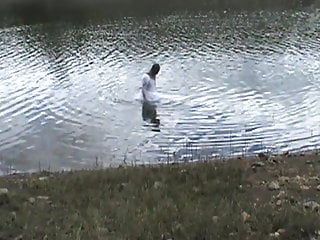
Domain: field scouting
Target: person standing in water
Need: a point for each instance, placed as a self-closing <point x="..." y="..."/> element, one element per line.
<point x="149" y="90"/>
<point x="150" y="96"/>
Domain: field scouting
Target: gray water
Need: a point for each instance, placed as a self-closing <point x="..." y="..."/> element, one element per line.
<point x="232" y="83"/>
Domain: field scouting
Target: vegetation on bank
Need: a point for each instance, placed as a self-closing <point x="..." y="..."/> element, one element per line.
<point x="265" y="197"/>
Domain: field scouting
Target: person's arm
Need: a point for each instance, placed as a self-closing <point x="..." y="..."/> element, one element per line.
<point x="145" y="85"/>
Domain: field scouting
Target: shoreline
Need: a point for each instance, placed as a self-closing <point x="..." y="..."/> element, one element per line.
<point x="98" y="165"/>
<point x="262" y="197"/>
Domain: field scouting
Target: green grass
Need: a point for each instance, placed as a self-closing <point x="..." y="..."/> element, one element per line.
<point x="187" y="201"/>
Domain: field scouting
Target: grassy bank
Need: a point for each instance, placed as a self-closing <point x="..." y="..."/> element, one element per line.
<point x="252" y="198"/>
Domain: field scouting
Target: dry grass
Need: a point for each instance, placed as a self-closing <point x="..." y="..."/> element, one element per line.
<point x="211" y="200"/>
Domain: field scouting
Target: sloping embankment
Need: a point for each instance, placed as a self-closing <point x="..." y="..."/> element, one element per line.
<point x="251" y="198"/>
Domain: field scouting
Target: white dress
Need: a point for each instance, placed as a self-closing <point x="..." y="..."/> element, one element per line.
<point x="149" y="90"/>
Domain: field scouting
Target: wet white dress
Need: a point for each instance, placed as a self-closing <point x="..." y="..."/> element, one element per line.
<point x="149" y="90"/>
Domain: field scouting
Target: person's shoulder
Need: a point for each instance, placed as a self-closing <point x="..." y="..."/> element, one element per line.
<point x="145" y="76"/>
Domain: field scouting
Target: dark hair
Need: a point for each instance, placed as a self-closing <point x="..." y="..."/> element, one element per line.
<point x="155" y="69"/>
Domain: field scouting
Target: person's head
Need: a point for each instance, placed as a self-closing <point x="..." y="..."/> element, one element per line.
<point x="155" y="69"/>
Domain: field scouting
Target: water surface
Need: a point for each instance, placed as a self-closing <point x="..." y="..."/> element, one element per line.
<point x="237" y="82"/>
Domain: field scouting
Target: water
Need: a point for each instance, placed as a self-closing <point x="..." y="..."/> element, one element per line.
<point x="231" y="83"/>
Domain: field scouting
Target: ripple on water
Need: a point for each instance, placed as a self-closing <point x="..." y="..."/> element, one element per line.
<point x="232" y="83"/>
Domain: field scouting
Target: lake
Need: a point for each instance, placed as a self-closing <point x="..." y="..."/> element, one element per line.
<point x="232" y="82"/>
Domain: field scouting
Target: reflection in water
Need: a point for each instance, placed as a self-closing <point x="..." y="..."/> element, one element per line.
<point x="149" y="114"/>
<point x="35" y="11"/>
<point x="232" y="83"/>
